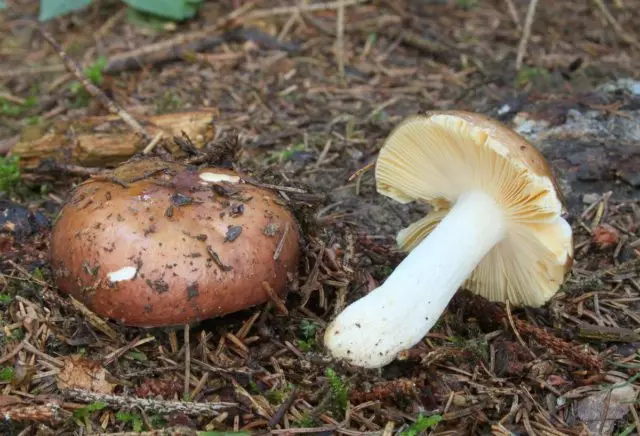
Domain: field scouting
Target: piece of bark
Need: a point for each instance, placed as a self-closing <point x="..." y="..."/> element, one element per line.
<point x="13" y="408"/>
<point x="106" y="140"/>
<point x="599" y="333"/>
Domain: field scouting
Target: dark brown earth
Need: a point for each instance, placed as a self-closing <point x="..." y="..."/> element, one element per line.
<point x="311" y="109"/>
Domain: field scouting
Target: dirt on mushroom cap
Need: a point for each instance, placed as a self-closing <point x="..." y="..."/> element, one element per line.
<point x="173" y="247"/>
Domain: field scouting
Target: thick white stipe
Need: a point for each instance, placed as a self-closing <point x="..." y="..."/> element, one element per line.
<point x="399" y="313"/>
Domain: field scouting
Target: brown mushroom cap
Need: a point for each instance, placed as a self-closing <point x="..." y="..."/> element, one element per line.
<point x="176" y="247"/>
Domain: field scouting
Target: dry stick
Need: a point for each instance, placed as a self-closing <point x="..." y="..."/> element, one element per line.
<point x="178" y="40"/>
<point x="16" y="349"/>
<point x="31" y="71"/>
<point x="149" y="405"/>
<point x="361" y="171"/>
<point x="616" y="26"/>
<point x="187" y="361"/>
<point x="283" y="409"/>
<point x="156" y="139"/>
<point x="278" y="250"/>
<point x="340" y="39"/>
<point x="514" y="14"/>
<point x="286" y="10"/>
<point x="522" y="48"/>
<point x="515" y="330"/>
<point x="74" y="68"/>
<point x="275" y="298"/>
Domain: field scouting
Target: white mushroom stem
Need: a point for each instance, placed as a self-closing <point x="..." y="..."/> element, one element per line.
<point x="398" y="314"/>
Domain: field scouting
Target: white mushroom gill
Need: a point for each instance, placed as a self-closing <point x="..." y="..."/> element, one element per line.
<point x="126" y="273"/>
<point x="396" y="315"/>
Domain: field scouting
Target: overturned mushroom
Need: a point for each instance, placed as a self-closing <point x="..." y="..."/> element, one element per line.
<point x="496" y="228"/>
<point x="163" y="244"/>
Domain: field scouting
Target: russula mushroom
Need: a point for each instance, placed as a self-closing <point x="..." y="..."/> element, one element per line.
<point x="496" y="228"/>
<point x="164" y="244"/>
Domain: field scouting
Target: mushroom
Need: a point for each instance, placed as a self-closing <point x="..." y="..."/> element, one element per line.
<point x="496" y="228"/>
<point x="164" y="244"/>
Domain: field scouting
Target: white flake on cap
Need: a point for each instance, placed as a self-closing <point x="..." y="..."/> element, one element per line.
<point x="123" y="274"/>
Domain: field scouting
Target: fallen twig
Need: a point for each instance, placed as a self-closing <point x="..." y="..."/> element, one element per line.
<point x="526" y="33"/>
<point x="94" y="90"/>
<point x="283" y="409"/>
<point x="202" y="38"/>
<point x="287" y="10"/>
<point x="149" y="405"/>
<point x="616" y="26"/>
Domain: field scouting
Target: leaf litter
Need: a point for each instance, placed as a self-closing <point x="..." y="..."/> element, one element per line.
<point x="312" y="100"/>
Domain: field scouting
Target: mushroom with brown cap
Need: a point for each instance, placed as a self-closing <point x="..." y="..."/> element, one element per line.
<point x="165" y="244"/>
<point x="496" y="227"/>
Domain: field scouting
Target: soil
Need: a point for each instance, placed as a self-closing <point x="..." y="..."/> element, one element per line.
<point x="311" y="107"/>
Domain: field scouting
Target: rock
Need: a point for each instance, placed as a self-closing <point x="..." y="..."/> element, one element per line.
<point x="20" y="221"/>
<point x="590" y="198"/>
<point x="591" y="141"/>
<point x="591" y="410"/>
<point x="630" y="85"/>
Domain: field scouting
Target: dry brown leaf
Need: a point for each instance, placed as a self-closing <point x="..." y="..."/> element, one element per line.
<point x="82" y="373"/>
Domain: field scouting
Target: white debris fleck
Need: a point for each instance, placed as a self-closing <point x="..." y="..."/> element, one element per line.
<point x="126" y="273"/>
<point x="505" y="108"/>
<point x="218" y="177"/>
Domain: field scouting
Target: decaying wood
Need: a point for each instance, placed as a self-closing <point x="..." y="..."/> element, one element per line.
<point x="107" y="140"/>
<point x="13" y="408"/>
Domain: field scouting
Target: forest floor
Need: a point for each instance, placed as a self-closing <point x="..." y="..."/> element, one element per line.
<point x="313" y="91"/>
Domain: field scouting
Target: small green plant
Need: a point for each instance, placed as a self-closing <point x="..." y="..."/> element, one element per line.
<point x="11" y="109"/>
<point x="6" y="373"/>
<point x="169" y="102"/>
<point x="628" y="430"/>
<point x="157" y="421"/>
<point x="529" y="74"/>
<point x="83" y="414"/>
<point x="253" y="387"/>
<point x="5" y="299"/>
<point x="286" y="154"/>
<point x="308" y="333"/>
<point x="306" y="345"/>
<point x="138" y="355"/>
<point x="177" y="10"/>
<point x="422" y="423"/>
<point x="280" y="394"/>
<point x="9" y="173"/>
<point x="466" y="4"/>
<point x="308" y="328"/>
<point x="94" y="74"/>
<point x="339" y="392"/>
<point x="306" y="421"/>
<point x="130" y="417"/>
